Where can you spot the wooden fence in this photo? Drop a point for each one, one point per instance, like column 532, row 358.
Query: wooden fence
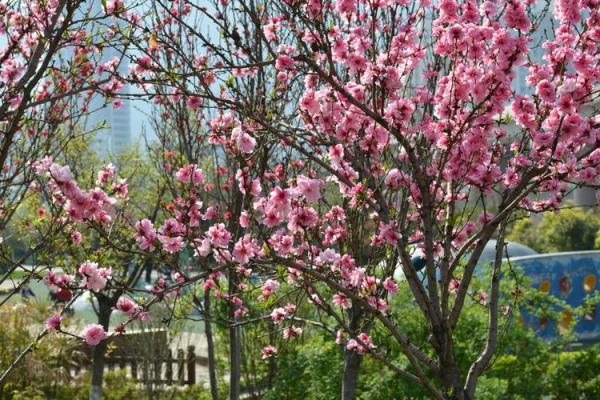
column 168, row 369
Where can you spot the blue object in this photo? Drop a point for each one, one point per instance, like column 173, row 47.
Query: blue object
column 570, row 277
column 419, row 262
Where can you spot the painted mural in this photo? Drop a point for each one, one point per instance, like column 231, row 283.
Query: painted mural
column 570, row 277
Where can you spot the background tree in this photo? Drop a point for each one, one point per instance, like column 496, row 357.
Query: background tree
column 570, row 230
column 383, row 137
column 52, row 65
column 402, row 123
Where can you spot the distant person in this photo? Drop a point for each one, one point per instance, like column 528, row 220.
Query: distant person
column 26, row 292
column 148, row 270
column 165, row 273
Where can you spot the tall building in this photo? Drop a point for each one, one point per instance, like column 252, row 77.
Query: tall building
column 114, row 136
column 112, row 125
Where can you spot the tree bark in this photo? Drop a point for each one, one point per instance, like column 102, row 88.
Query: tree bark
column 351, row 370
column 272, row 362
column 235, row 353
column 104, row 311
column 212, row 365
column 352, row 358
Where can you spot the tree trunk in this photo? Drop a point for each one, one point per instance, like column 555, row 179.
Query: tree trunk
column 352, row 358
column 212, row 365
column 104, row 311
column 272, row 362
column 235, row 354
column 351, row 369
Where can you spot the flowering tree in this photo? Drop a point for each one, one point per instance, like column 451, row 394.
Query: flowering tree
column 51, row 65
column 201, row 178
column 377, row 128
column 399, row 126
column 94, row 254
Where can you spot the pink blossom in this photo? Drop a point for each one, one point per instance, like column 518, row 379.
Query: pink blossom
column 388, row 233
column 483, row 298
column 454, row 285
column 56, row 282
column 202, row 247
column 516, row 17
column 42, row 166
column 190, row 174
column 244, row 219
column 114, row 6
column 218, row 235
column 244, row 142
column 356, row 62
column 121, row 188
column 268, row 352
column 172, row 227
column 546, row 90
column 395, row 179
column 94, row 278
column 128, row 306
column 341, row 301
column 327, row 256
column 339, row 336
column 567, row 11
column 362, row 346
column 60, row 174
column 284, row 62
column 400, row 110
column 53, row 322
column 75, row 236
column 278, row 315
column 193, row 102
column 346, row 6
column 390, row 286
column 145, row 234
column 171, row 244
column 309, row 188
column 302, row 217
column 94, row 334
column 292, row 332
column 210, row 283
column 105, row 174
column 244, row 249
column 269, row 287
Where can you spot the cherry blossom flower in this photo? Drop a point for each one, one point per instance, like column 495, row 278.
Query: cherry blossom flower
column 268, row 351
column 53, row 322
column 94, row 334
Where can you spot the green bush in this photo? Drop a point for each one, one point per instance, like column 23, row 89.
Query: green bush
column 569, row 230
column 575, row 375
column 43, row 370
column 309, row 372
column 524, row 367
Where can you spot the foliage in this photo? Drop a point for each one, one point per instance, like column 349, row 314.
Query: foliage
column 311, row 371
column 44, row 369
column 117, row 385
column 575, row 375
column 337, row 142
column 525, row 368
column 571, row 229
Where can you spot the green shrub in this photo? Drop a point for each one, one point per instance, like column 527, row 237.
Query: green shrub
column 568, row 230
column 309, row 372
column 43, row 370
column 575, row 375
